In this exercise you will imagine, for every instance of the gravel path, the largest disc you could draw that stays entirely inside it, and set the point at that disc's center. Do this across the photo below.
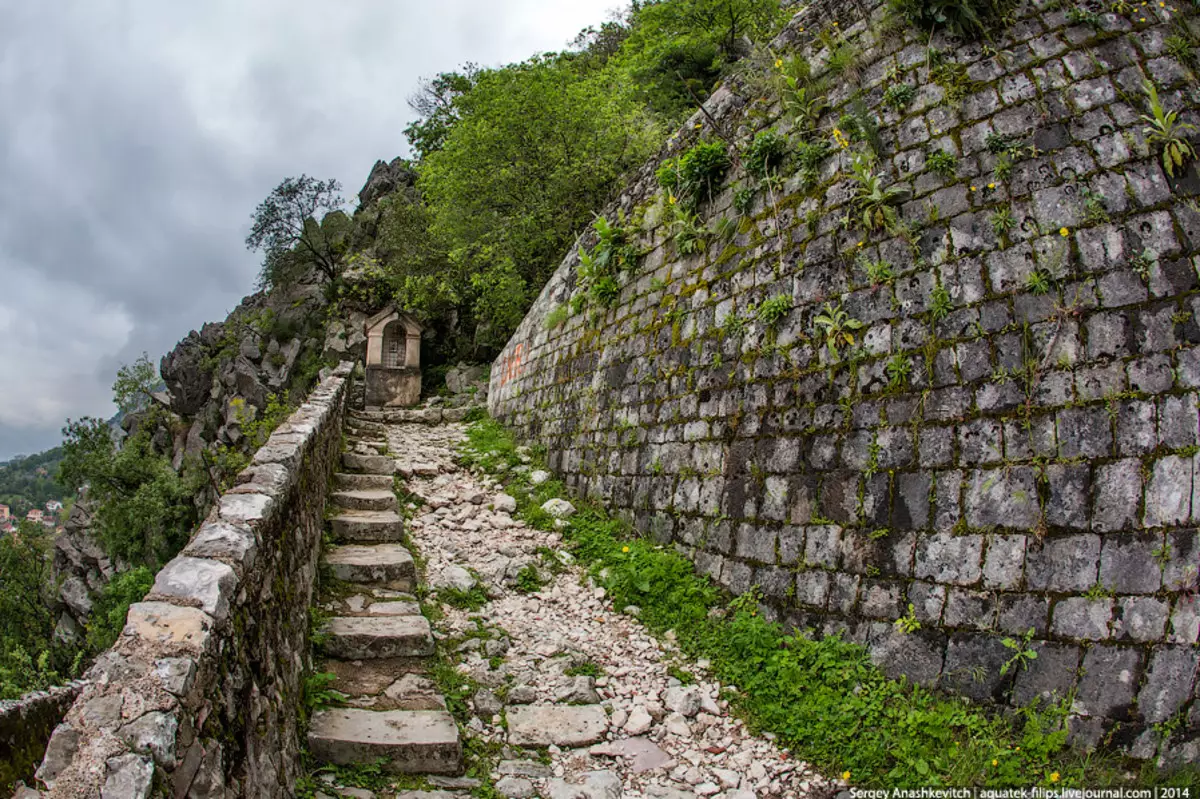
(655, 737)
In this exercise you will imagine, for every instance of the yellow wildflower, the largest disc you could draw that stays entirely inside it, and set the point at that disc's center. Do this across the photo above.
(995, 762)
(860, 244)
(1062, 231)
(1054, 777)
(778, 63)
(972, 188)
(671, 199)
(845, 774)
(624, 549)
(991, 185)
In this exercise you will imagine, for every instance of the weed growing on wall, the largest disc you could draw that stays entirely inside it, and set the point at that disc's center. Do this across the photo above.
(823, 698)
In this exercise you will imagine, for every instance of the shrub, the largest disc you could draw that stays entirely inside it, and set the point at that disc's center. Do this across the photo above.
(765, 154)
(942, 163)
(108, 614)
(967, 19)
(899, 96)
(697, 174)
(772, 310)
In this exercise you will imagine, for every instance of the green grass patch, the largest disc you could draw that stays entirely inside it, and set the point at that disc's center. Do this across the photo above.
(473, 598)
(824, 698)
(587, 668)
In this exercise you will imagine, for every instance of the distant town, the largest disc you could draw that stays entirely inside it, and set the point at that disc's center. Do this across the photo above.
(49, 516)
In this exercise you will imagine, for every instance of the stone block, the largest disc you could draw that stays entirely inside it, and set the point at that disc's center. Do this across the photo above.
(947, 558)
(1082, 618)
(972, 666)
(1185, 621)
(970, 609)
(1004, 561)
(1128, 565)
(1020, 613)
(1004, 498)
(1169, 492)
(209, 582)
(1118, 495)
(917, 656)
(843, 592)
(1108, 682)
(812, 588)
(1070, 490)
(1170, 674)
(169, 626)
(1049, 676)
(755, 543)
(927, 600)
(1140, 618)
(822, 545)
(1084, 432)
(229, 543)
(1063, 564)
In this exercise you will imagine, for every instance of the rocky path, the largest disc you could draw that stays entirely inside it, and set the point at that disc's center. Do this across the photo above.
(561, 673)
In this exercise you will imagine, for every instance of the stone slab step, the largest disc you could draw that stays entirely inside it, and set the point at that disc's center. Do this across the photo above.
(368, 637)
(409, 741)
(371, 526)
(368, 464)
(362, 482)
(366, 499)
(388, 565)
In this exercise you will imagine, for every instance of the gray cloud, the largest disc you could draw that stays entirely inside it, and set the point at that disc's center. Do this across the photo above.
(137, 137)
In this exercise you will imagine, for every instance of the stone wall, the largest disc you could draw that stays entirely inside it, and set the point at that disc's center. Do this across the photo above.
(1007, 446)
(201, 694)
(25, 726)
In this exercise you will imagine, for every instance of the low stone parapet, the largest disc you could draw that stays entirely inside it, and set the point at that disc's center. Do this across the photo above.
(201, 694)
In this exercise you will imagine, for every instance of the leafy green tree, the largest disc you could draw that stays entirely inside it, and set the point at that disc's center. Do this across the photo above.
(537, 149)
(112, 607)
(286, 229)
(436, 102)
(27, 660)
(144, 511)
(134, 388)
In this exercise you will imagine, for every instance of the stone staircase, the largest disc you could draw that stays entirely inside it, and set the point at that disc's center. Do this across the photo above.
(377, 643)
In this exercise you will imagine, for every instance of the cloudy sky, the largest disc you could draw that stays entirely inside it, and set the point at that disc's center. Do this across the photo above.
(136, 136)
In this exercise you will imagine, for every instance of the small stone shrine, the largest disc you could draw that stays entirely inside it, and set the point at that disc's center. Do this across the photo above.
(393, 360)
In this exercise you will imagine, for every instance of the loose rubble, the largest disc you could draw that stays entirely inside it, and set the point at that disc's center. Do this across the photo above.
(633, 731)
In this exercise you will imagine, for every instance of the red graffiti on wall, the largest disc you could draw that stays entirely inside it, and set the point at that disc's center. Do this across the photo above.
(510, 365)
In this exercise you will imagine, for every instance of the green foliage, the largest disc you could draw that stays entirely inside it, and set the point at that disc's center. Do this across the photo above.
(28, 482)
(587, 668)
(873, 202)
(878, 272)
(318, 693)
(557, 317)
(942, 163)
(108, 613)
(1038, 282)
(1002, 220)
(28, 660)
(690, 234)
(939, 303)
(898, 368)
(529, 579)
(967, 19)
(899, 96)
(695, 176)
(743, 200)
(134, 384)
(765, 154)
(472, 598)
(144, 511)
(1164, 130)
(953, 79)
(773, 309)
(837, 328)
(287, 231)
(598, 268)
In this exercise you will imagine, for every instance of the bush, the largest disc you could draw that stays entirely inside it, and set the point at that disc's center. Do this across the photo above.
(967, 19)
(697, 175)
(110, 610)
(765, 155)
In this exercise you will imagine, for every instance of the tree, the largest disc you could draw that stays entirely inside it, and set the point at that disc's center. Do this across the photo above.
(287, 231)
(26, 619)
(436, 102)
(134, 388)
(144, 511)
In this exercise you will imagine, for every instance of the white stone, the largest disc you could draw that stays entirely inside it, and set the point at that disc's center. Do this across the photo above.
(639, 721)
(504, 503)
(558, 508)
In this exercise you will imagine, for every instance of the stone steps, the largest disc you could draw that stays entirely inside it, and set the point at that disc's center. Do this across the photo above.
(377, 648)
(409, 741)
(366, 499)
(368, 637)
(368, 464)
(386, 565)
(362, 482)
(368, 526)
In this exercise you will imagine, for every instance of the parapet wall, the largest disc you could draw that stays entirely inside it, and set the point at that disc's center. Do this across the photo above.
(201, 695)
(1007, 446)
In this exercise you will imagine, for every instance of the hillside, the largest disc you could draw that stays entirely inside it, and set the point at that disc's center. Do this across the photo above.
(28, 481)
